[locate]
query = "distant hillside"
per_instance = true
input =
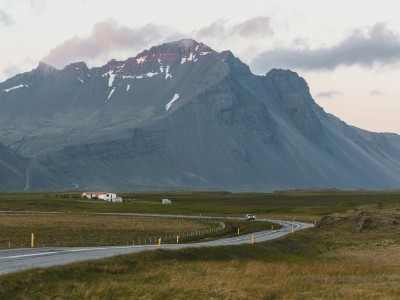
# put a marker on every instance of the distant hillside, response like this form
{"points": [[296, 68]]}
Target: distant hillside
{"points": [[12, 170]]}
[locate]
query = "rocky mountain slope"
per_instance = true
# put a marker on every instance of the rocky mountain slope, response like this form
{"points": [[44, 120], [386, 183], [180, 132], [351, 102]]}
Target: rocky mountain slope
{"points": [[13, 170], [183, 116]]}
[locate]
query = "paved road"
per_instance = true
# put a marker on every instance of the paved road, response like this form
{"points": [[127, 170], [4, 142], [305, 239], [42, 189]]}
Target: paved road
{"points": [[14, 260]]}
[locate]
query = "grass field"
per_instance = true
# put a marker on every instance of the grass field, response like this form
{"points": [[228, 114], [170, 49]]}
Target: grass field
{"points": [[91, 230], [72, 229], [334, 261], [353, 254], [305, 205]]}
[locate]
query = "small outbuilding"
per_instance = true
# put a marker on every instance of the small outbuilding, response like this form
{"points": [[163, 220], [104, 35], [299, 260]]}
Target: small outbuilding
{"points": [[166, 201]]}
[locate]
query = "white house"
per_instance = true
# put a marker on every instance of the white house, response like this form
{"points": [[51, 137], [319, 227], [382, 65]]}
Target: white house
{"points": [[103, 196], [166, 201]]}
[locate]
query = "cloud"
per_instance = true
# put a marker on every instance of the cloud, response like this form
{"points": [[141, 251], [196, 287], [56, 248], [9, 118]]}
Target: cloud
{"points": [[377, 46], [214, 29], [377, 93], [328, 94], [5, 18], [108, 37], [105, 38], [255, 26], [249, 28], [38, 4], [11, 69]]}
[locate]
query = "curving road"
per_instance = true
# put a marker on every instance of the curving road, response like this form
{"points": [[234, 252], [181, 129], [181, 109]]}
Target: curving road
{"points": [[14, 260]]}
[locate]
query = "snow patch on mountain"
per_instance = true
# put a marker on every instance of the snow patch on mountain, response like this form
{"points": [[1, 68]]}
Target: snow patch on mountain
{"points": [[149, 75], [141, 60], [167, 74], [80, 79], [111, 77], [191, 57], [120, 68], [128, 87], [109, 96], [168, 106], [132, 76], [166, 69], [15, 87]]}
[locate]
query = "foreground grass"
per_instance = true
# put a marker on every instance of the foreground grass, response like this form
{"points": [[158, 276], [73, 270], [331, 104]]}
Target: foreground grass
{"points": [[334, 261], [72, 230], [91, 230]]}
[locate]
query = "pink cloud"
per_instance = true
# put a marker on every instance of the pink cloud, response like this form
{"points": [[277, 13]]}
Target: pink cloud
{"points": [[106, 37], [216, 28], [254, 26], [251, 27]]}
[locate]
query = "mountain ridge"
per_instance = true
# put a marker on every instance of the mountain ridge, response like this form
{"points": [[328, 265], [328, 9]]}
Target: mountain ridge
{"points": [[183, 116]]}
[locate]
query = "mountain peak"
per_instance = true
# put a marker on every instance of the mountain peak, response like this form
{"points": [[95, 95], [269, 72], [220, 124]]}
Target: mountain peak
{"points": [[45, 68], [76, 66], [184, 50], [183, 45], [288, 80], [162, 59]]}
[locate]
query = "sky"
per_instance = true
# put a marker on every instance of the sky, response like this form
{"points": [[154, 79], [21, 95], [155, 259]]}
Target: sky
{"points": [[347, 51]]}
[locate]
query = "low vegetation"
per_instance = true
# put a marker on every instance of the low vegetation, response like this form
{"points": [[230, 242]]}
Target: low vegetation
{"points": [[306, 205], [353, 253], [71, 229], [91, 230]]}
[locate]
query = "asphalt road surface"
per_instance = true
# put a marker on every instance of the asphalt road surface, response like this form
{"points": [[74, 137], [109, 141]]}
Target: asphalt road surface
{"points": [[14, 260]]}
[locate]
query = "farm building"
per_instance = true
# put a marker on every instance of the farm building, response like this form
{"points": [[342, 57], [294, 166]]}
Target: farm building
{"points": [[166, 201], [112, 197]]}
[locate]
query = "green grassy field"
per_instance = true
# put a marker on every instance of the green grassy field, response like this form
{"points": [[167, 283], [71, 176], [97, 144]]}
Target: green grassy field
{"points": [[74, 229], [55, 230], [306, 205], [334, 261]]}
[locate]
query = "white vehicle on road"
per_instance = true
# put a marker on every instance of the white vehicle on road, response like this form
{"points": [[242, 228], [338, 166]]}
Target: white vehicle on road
{"points": [[250, 217]]}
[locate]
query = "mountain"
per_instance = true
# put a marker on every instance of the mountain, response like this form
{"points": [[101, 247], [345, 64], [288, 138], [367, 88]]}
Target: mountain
{"points": [[183, 116], [13, 170]]}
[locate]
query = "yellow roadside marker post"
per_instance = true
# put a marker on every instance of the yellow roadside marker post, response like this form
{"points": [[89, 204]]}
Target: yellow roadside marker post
{"points": [[159, 243], [292, 229], [252, 239], [238, 231], [32, 240], [272, 227], [177, 239]]}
